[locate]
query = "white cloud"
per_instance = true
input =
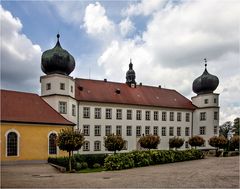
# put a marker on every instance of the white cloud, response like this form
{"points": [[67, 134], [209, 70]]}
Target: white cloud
{"points": [[96, 22], [126, 27], [20, 61]]}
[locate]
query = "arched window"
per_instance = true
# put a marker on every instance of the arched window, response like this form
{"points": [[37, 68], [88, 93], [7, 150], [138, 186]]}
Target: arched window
{"points": [[52, 144], [12, 144], [86, 146]]}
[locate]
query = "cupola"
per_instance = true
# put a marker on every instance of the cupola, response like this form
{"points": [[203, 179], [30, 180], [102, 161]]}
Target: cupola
{"points": [[57, 60], [206, 83], [131, 76]]}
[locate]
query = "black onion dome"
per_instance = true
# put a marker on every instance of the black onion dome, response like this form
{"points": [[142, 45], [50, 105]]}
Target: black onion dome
{"points": [[206, 83], [130, 75], [57, 60]]}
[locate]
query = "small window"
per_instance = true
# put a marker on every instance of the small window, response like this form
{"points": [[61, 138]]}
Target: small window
{"points": [[215, 115], [73, 110], [163, 131], [215, 130], [187, 131], [138, 115], [108, 130], [155, 115], [119, 114], [125, 146], [155, 130], [62, 107], [147, 115], [147, 130], [215, 100], [186, 144], [86, 112], [97, 130], [52, 144], [178, 131], [119, 130], [97, 113], [187, 117], [164, 116], [171, 130], [48, 86], [179, 116], [108, 113], [86, 130], [202, 130], [62, 86], [97, 146], [12, 144], [205, 101], [129, 130], [71, 88], [202, 116], [86, 146], [138, 131], [171, 116], [129, 114]]}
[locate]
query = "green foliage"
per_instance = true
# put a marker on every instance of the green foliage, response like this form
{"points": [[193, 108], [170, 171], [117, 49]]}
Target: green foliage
{"points": [[149, 141], [225, 128], [114, 143], [151, 157], [234, 142], [96, 165], [91, 159], [176, 142], [196, 141], [218, 142]]}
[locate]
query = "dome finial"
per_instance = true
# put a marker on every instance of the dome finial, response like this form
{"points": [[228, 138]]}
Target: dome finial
{"points": [[205, 60], [58, 35]]}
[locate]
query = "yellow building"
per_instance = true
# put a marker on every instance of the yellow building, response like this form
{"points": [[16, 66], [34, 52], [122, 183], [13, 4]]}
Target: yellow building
{"points": [[29, 128]]}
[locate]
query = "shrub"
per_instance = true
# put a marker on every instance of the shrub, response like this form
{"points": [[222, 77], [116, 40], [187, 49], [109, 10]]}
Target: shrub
{"points": [[96, 165], [114, 143], [78, 166], [196, 141], [218, 142], [91, 159], [119, 161], [84, 165], [149, 141], [234, 142], [176, 142]]}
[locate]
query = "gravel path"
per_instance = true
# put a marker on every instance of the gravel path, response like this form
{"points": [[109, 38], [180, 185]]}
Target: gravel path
{"points": [[212, 172]]}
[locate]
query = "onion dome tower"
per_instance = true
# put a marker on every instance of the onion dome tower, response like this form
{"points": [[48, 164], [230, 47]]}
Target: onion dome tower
{"points": [[57, 60], [131, 76], [206, 83]]}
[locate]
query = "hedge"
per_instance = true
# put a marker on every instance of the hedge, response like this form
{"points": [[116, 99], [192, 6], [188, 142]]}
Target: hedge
{"points": [[150, 157]]}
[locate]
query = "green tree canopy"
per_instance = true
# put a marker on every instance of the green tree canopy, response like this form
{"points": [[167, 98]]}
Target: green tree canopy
{"points": [[225, 128], [234, 142], [218, 142], [196, 141], [149, 141], [176, 142], [114, 142]]}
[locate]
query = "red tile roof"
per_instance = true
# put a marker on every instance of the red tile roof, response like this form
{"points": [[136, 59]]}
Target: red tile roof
{"points": [[28, 108], [105, 92]]}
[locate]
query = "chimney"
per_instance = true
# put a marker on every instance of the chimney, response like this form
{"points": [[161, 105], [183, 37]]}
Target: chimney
{"points": [[105, 80]]}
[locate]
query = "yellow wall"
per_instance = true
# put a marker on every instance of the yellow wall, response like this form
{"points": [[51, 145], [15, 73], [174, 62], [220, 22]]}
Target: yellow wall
{"points": [[33, 141]]}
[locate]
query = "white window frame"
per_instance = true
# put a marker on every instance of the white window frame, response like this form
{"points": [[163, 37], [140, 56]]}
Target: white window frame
{"points": [[86, 128], [138, 130], [84, 145], [129, 130], [73, 110], [119, 129], [108, 128], [118, 114], [147, 130], [97, 113], [99, 143], [179, 132], [86, 112], [155, 115], [108, 113], [138, 115], [171, 131], [179, 116], [95, 129], [52, 132], [62, 107], [155, 130], [18, 142], [187, 118], [171, 117], [202, 130], [164, 116], [129, 114]]}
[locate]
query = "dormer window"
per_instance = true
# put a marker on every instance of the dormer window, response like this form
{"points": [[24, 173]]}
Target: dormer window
{"points": [[48, 86], [62, 86]]}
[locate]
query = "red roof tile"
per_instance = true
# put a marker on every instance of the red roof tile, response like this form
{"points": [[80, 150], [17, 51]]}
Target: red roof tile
{"points": [[28, 108], [105, 92]]}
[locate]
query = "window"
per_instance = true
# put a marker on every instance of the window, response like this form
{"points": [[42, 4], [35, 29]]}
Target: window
{"points": [[215, 100], [86, 130], [163, 131], [97, 130], [129, 130], [138, 130], [97, 113], [73, 110], [71, 88], [138, 115], [179, 116], [86, 146], [202, 116], [108, 113], [164, 116], [86, 112], [97, 146], [108, 130], [171, 116], [155, 130], [147, 115], [119, 130], [187, 117], [205, 101], [171, 130], [119, 114], [62, 86], [215, 115], [129, 114], [12, 144], [48, 86], [202, 130], [215, 129], [125, 146], [187, 130], [186, 144], [178, 131], [147, 130], [52, 144], [155, 115], [62, 107]]}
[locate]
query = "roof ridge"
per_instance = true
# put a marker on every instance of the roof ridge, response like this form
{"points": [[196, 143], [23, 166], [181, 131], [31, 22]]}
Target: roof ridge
{"points": [[13, 91]]}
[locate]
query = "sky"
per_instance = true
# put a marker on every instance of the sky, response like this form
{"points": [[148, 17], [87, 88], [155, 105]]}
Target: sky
{"points": [[167, 41]]}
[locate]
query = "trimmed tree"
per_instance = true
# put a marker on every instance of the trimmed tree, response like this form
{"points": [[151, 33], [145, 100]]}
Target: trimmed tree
{"points": [[114, 143], [176, 142], [218, 142], [196, 141], [70, 140], [149, 141], [234, 142]]}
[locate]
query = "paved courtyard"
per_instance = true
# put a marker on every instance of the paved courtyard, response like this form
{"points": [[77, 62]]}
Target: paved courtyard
{"points": [[206, 173]]}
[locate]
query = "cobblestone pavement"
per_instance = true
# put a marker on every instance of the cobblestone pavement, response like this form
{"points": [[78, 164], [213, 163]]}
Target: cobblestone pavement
{"points": [[212, 172]]}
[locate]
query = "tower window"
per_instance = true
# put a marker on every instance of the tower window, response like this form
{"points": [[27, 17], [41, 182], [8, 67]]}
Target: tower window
{"points": [[62, 86], [215, 115], [12, 144], [202, 116], [62, 107], [71, 88], [52, 149], [48, 86], [205, 101], [215, 100], [73, 110]]}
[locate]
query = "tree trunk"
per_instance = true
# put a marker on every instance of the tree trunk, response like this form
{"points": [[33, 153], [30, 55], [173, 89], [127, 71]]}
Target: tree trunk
{"points": [[69, 161]]}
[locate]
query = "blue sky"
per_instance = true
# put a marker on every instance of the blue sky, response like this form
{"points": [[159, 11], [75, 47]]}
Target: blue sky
{"points": [[166, 39]]}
